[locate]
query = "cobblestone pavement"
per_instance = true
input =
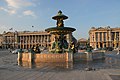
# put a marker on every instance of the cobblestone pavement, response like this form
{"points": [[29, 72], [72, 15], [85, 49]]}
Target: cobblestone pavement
{"points": [[104, 70]]}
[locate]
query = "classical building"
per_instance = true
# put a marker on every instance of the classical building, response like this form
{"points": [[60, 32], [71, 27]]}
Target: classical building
{"points": [[1, 40], [104, 37], [28, 39], [82, 42]]}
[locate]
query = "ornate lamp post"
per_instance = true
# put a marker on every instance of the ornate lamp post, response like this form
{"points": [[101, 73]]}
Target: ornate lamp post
{"points": [[15, 39]]}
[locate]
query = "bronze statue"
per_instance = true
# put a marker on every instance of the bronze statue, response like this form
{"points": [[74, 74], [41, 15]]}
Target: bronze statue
{"points": [[60, 23]]}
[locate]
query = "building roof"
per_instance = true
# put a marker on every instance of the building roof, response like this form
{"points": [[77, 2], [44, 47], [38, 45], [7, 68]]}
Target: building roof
{"points": [[82, 39]]}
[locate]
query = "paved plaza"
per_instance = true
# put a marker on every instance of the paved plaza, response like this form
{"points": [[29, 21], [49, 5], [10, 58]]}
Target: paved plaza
{"points": [[10, 70]]}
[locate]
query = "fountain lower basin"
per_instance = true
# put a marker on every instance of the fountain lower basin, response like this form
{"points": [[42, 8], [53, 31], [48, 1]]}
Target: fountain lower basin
{"points": [[64, 57]]}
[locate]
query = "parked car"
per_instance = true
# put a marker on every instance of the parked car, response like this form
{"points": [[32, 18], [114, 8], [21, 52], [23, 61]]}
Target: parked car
{"points": [[15, 51], [109, 48]]}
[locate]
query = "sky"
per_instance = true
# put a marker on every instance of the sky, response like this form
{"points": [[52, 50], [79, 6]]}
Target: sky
{"points": [[21, 15]]}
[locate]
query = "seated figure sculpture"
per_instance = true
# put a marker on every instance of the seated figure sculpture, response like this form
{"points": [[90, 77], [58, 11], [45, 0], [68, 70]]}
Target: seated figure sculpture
{"points": [[56, 45], [60, 44], [60, 23], [36, 49]]}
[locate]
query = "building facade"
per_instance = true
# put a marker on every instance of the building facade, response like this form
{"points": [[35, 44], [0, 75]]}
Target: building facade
{"points": [[104, 37], [27, 39], [82, 42], [1, 40]]}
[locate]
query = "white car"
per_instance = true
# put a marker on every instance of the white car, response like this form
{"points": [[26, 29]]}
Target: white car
{"points": [[15, 51]]}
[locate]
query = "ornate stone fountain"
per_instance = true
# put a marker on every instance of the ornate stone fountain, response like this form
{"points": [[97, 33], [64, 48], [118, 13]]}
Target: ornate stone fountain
{"points": [[60, 44]]}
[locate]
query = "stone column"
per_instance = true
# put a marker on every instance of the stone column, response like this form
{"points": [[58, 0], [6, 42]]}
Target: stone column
{"points": [[106, 39], [119, 36], [110, 39], [20, 41], [38, 39], [102, 39], [29, 41], [115, 41], [44, 40], [119, 39], [95, 42], [35, 40], [47, 41], [98, 39], [23, 42], [32, 40], [41, 40]]}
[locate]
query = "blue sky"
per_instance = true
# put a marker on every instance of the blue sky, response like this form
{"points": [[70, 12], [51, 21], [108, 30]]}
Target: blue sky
{"points": [[83, 14]]}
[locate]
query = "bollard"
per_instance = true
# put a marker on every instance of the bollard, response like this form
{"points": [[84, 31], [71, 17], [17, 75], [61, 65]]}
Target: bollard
{"points": [[19, 56], [89, 56], [69, 57], [30, 59]]}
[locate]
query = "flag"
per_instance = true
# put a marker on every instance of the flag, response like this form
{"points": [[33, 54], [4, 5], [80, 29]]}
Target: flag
{"points": [[11, 29]]}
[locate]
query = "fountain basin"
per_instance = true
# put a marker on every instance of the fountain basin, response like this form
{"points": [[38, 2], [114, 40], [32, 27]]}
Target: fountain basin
{"points": [[50, 57], [89, 56], [64, 57], [60, 30]]}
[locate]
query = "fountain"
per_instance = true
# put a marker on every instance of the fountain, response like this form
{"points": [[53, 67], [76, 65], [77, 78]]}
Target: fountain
{"points": [[61, 50], [60, 45]]}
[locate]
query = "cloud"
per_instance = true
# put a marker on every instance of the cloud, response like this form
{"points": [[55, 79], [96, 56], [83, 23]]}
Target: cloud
{"points": [[29, 13], [17, 6], [18, 3], [10, 11]]}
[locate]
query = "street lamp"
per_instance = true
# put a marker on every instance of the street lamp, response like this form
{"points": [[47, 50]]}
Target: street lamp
{"points": [[15, 38]]}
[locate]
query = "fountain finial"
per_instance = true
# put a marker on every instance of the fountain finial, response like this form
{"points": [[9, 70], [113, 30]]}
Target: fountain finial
{"points": [[60, 17], [59, 12]]}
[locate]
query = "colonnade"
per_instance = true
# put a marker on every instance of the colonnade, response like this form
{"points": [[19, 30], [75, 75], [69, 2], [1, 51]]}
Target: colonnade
{"points": [[102, 39], [26, 40], [29, 41]]}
